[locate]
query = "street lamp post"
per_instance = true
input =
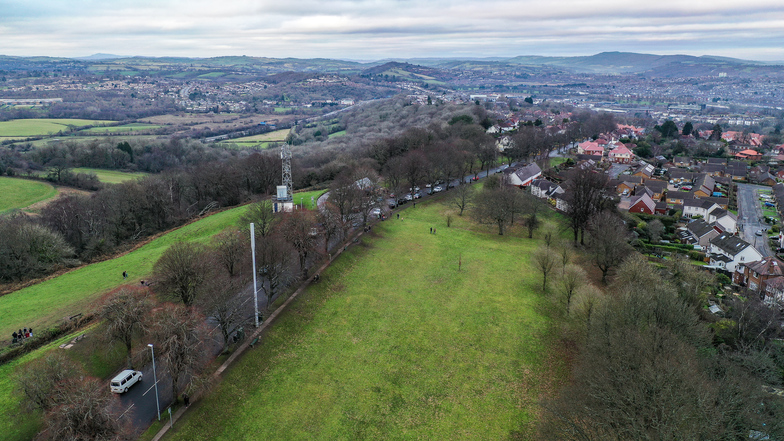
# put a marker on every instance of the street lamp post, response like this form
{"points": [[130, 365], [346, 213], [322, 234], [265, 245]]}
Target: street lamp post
{"points": [[255, 289], [155, 379]]}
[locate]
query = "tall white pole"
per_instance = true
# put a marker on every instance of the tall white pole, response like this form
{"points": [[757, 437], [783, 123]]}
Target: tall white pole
{"points": [[155, 379], [255, 289]]}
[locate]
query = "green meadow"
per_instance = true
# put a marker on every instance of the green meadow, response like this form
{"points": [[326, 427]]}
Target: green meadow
{"points": [[110, 176], [277, 135], [20, 193], [408, 335], [38, 126]]}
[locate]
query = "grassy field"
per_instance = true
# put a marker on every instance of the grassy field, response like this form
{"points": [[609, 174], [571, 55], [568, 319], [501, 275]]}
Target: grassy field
{"points": [[305, 196], [110, 176], [277, 135], [37, 126], [123, 128], [395, 342], [20, 193], [336, 134]]}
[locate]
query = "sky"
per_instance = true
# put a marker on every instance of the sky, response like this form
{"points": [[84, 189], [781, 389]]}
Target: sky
{"points": [[379, 29]]}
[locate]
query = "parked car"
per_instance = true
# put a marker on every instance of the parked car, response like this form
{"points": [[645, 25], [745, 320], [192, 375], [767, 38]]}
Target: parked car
{"points": [[758, 233], [124, 380], [437, 188], [409, 197], [417, 195]]}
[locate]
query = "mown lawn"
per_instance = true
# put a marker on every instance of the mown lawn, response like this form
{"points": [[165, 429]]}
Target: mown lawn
{"points": [[395, 342], [20, 193], [110, 176]]}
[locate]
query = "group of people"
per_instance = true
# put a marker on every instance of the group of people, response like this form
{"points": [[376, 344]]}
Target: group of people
{"points": [[21, 335]]}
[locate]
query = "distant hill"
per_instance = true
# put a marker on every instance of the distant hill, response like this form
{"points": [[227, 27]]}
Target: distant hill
{"points": [[99, 56], [410, 72]]}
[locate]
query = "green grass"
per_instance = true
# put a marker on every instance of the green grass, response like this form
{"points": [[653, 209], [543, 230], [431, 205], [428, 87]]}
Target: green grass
{"points": [[40, 126], [336, 134], [282, 109], [110, 176], [304, 197], [45, 304], [16, 425], [20, 193], [395, 343], [123, 128]]}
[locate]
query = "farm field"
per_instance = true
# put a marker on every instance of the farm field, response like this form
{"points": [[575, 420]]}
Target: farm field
{"points": [[110, 176], [395, 342], [22, 128], [277, 135], [336, 134], [123, 128], [20, 193]]}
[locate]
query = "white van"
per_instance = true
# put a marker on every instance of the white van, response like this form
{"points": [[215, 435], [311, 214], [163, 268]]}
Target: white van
{"points": [[124, 380]]}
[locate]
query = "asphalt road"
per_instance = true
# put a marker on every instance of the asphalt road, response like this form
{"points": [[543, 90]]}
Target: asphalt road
{"points": [[750, 218]]}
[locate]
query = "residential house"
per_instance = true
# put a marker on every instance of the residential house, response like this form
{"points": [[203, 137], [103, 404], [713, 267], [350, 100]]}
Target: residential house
{"points": [[713, 169], [754, 275], [761, 174], [727, 251], [749, 154], [698, 207], [704, 186], [545, 189], [590, 148], [774, 291], [645, 171], [702, 232], [523, 176], [659, 188], [723, 220], [721, 202], [717, 161], [620, 154], [642, 203], [679, 197], [627, 184], [682, 161], [680, 176]]}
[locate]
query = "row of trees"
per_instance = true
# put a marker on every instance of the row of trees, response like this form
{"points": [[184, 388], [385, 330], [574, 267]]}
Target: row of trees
{"points": [[648, 368]]}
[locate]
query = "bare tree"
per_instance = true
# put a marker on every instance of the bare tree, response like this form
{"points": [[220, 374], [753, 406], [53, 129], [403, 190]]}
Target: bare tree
{"points": [[572, 279], [498, 207], [181, 271], [46, 382], [462, 197], [224, 304], [330, 222], [585, 195], [124, 313], [545, 260], [85, 415], [261, 215], [609, 241], [231, 248], [298, 229], [273, 263], [178, 332]]}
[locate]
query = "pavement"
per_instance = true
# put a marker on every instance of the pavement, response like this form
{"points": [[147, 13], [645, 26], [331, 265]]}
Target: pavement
{"points": [[750, 218]]}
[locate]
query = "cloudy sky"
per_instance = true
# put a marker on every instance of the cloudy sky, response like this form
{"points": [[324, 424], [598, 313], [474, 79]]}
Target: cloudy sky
{"points": [[376, 29]]}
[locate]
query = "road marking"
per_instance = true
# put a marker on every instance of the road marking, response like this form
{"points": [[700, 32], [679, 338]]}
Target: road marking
{"points": [[151, 387], [126, 411]]}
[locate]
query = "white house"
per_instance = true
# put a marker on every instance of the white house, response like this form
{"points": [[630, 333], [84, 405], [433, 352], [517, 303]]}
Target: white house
{"points": [[698, 207], [724, 220], [727, 251], [523, 176]]}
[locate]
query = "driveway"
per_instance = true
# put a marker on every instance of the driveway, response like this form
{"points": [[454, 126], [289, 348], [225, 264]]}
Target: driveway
{"points": [[750, 218]]}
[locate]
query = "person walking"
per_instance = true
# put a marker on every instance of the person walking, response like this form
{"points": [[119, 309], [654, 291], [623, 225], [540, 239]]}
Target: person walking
{"points": [[125, 274], [186, 399]]}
